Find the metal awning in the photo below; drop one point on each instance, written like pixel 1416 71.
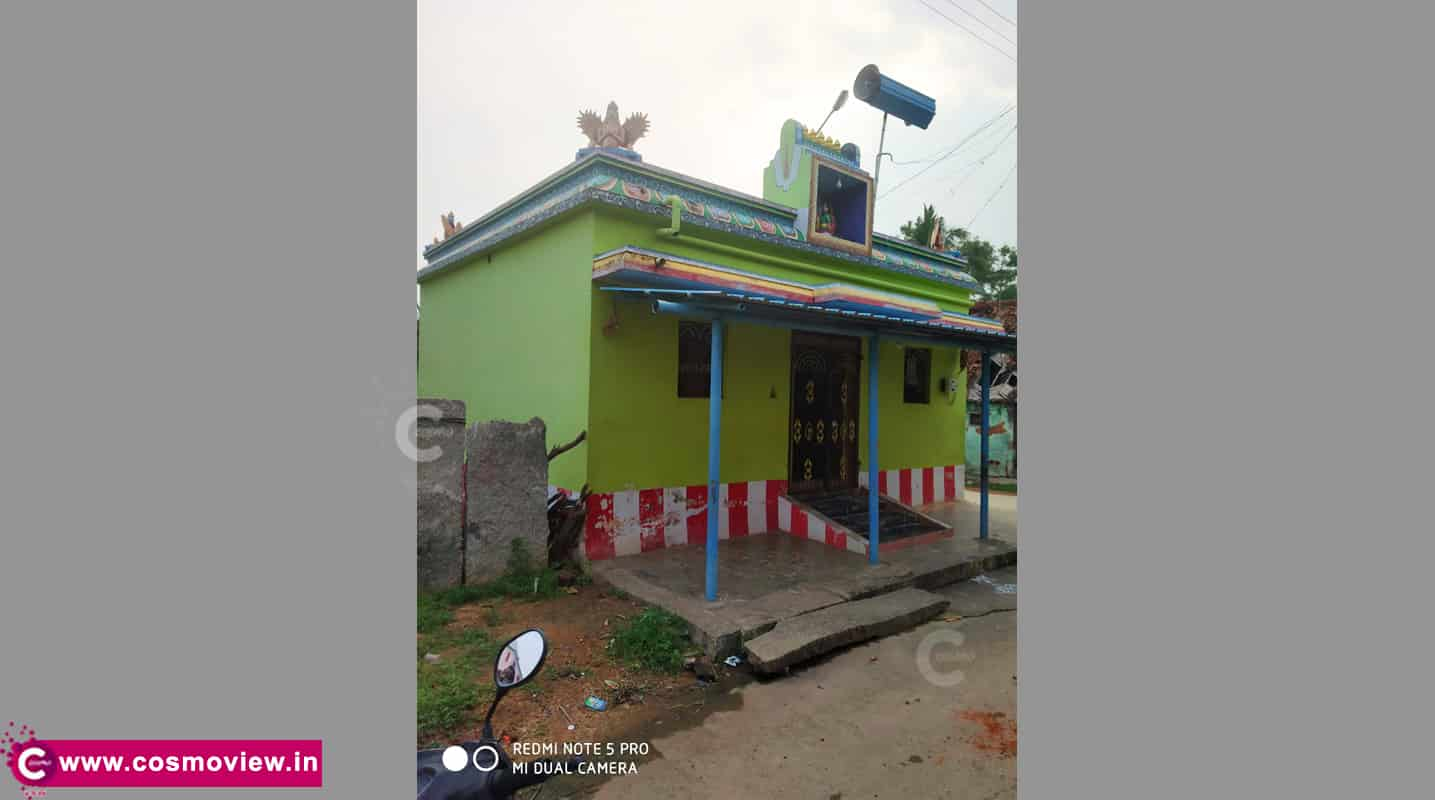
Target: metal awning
pixel 757 310
pixel 699 289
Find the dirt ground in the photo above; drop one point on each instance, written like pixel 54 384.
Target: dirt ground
pixel 577 627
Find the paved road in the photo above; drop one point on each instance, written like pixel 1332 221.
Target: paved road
pixel 863 723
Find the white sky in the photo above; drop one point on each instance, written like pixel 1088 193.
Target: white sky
pixel 500 85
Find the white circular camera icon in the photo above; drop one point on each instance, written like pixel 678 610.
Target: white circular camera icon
pixel 485 758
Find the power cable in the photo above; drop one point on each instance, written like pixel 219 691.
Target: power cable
pixel 968 30
pixel 1009 173
pixel 983 22
pixel 949 153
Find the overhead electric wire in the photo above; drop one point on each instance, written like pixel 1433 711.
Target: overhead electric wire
pixel 926 160
pixel 1009 173
pixel 979 162
pixel 968 30
pixel 998 13
pixel 982 21
pixel 949 153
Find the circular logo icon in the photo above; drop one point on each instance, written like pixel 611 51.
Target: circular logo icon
pixel 34 763
pixel 943 678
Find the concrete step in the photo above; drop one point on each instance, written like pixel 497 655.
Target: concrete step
pixel 800 638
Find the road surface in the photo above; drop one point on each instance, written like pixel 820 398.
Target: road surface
pixel 866 722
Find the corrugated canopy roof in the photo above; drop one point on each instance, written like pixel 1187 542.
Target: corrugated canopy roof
pixel 742 295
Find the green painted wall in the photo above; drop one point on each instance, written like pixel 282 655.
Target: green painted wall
pixel 644 436
pixel 914 434
pixel 525 335
pixel 510 337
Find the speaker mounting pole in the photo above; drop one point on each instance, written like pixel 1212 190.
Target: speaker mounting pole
pixel 881 142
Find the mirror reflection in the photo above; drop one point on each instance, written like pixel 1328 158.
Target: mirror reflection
pixel 519 659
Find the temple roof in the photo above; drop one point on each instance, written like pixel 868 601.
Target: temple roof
pixel 599 177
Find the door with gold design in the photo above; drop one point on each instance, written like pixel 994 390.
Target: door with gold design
pixel 822 429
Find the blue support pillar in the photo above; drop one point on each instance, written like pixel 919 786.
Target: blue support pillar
pixel 714 457
pixel 986 434
pixel 872 480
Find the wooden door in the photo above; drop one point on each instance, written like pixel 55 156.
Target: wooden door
pixel 823 427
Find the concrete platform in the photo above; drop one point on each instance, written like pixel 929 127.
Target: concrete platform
pixel 762 579
pixel 806 636
pixel 767 578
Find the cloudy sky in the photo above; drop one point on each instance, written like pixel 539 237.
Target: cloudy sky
pixel 501 84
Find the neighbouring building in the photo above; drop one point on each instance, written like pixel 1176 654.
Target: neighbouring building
pixel 1001 425
pixel 597 299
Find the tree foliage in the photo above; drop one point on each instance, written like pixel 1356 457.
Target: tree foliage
pixel 994 268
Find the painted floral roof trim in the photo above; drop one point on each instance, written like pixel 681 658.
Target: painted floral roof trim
pixel 646 188
pixel 681 272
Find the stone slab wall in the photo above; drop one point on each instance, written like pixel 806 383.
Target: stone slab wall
pixel 440 494
pixel 507 496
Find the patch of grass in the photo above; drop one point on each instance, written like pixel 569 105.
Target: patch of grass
pixel 492 617
pixel 447 696
pixel 525 579
pixel 433 614
pixel 655 640
pixel 451 692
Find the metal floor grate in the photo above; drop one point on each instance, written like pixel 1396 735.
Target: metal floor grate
pixel 849 509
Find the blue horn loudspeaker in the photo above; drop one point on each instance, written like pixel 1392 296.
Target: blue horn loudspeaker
pixel 897 99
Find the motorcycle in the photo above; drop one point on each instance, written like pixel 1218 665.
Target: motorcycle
pixel 483 770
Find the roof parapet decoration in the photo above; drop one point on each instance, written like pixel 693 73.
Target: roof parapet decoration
pixel 451 227
pixel 787 164
pixel 646 188
pixel 607 134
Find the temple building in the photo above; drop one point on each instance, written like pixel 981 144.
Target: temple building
pixel 741 364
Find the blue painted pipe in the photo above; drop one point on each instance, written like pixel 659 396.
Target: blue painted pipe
pixel 714 457
pixel 873 550
pixel 986 434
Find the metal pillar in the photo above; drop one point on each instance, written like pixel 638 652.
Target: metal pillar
pixel 714 456
pixel 872 481
pixel 986 434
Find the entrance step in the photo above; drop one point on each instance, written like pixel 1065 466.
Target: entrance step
pixel 800 638
pixel 845 514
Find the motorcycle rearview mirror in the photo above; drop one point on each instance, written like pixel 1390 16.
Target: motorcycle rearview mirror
pixel 518 661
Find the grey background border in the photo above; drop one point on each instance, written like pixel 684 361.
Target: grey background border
pixel 207 334
pixel 1223 566
pixel 208 322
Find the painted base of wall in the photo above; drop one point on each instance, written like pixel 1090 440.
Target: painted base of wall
pixel 794 519
pixel 920 485
pixel 642 520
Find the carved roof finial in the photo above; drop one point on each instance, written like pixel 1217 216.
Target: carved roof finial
pixel 606 131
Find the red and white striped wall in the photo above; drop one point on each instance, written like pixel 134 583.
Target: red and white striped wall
pixel 643 520
pixel 919 485
pixel 798 521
